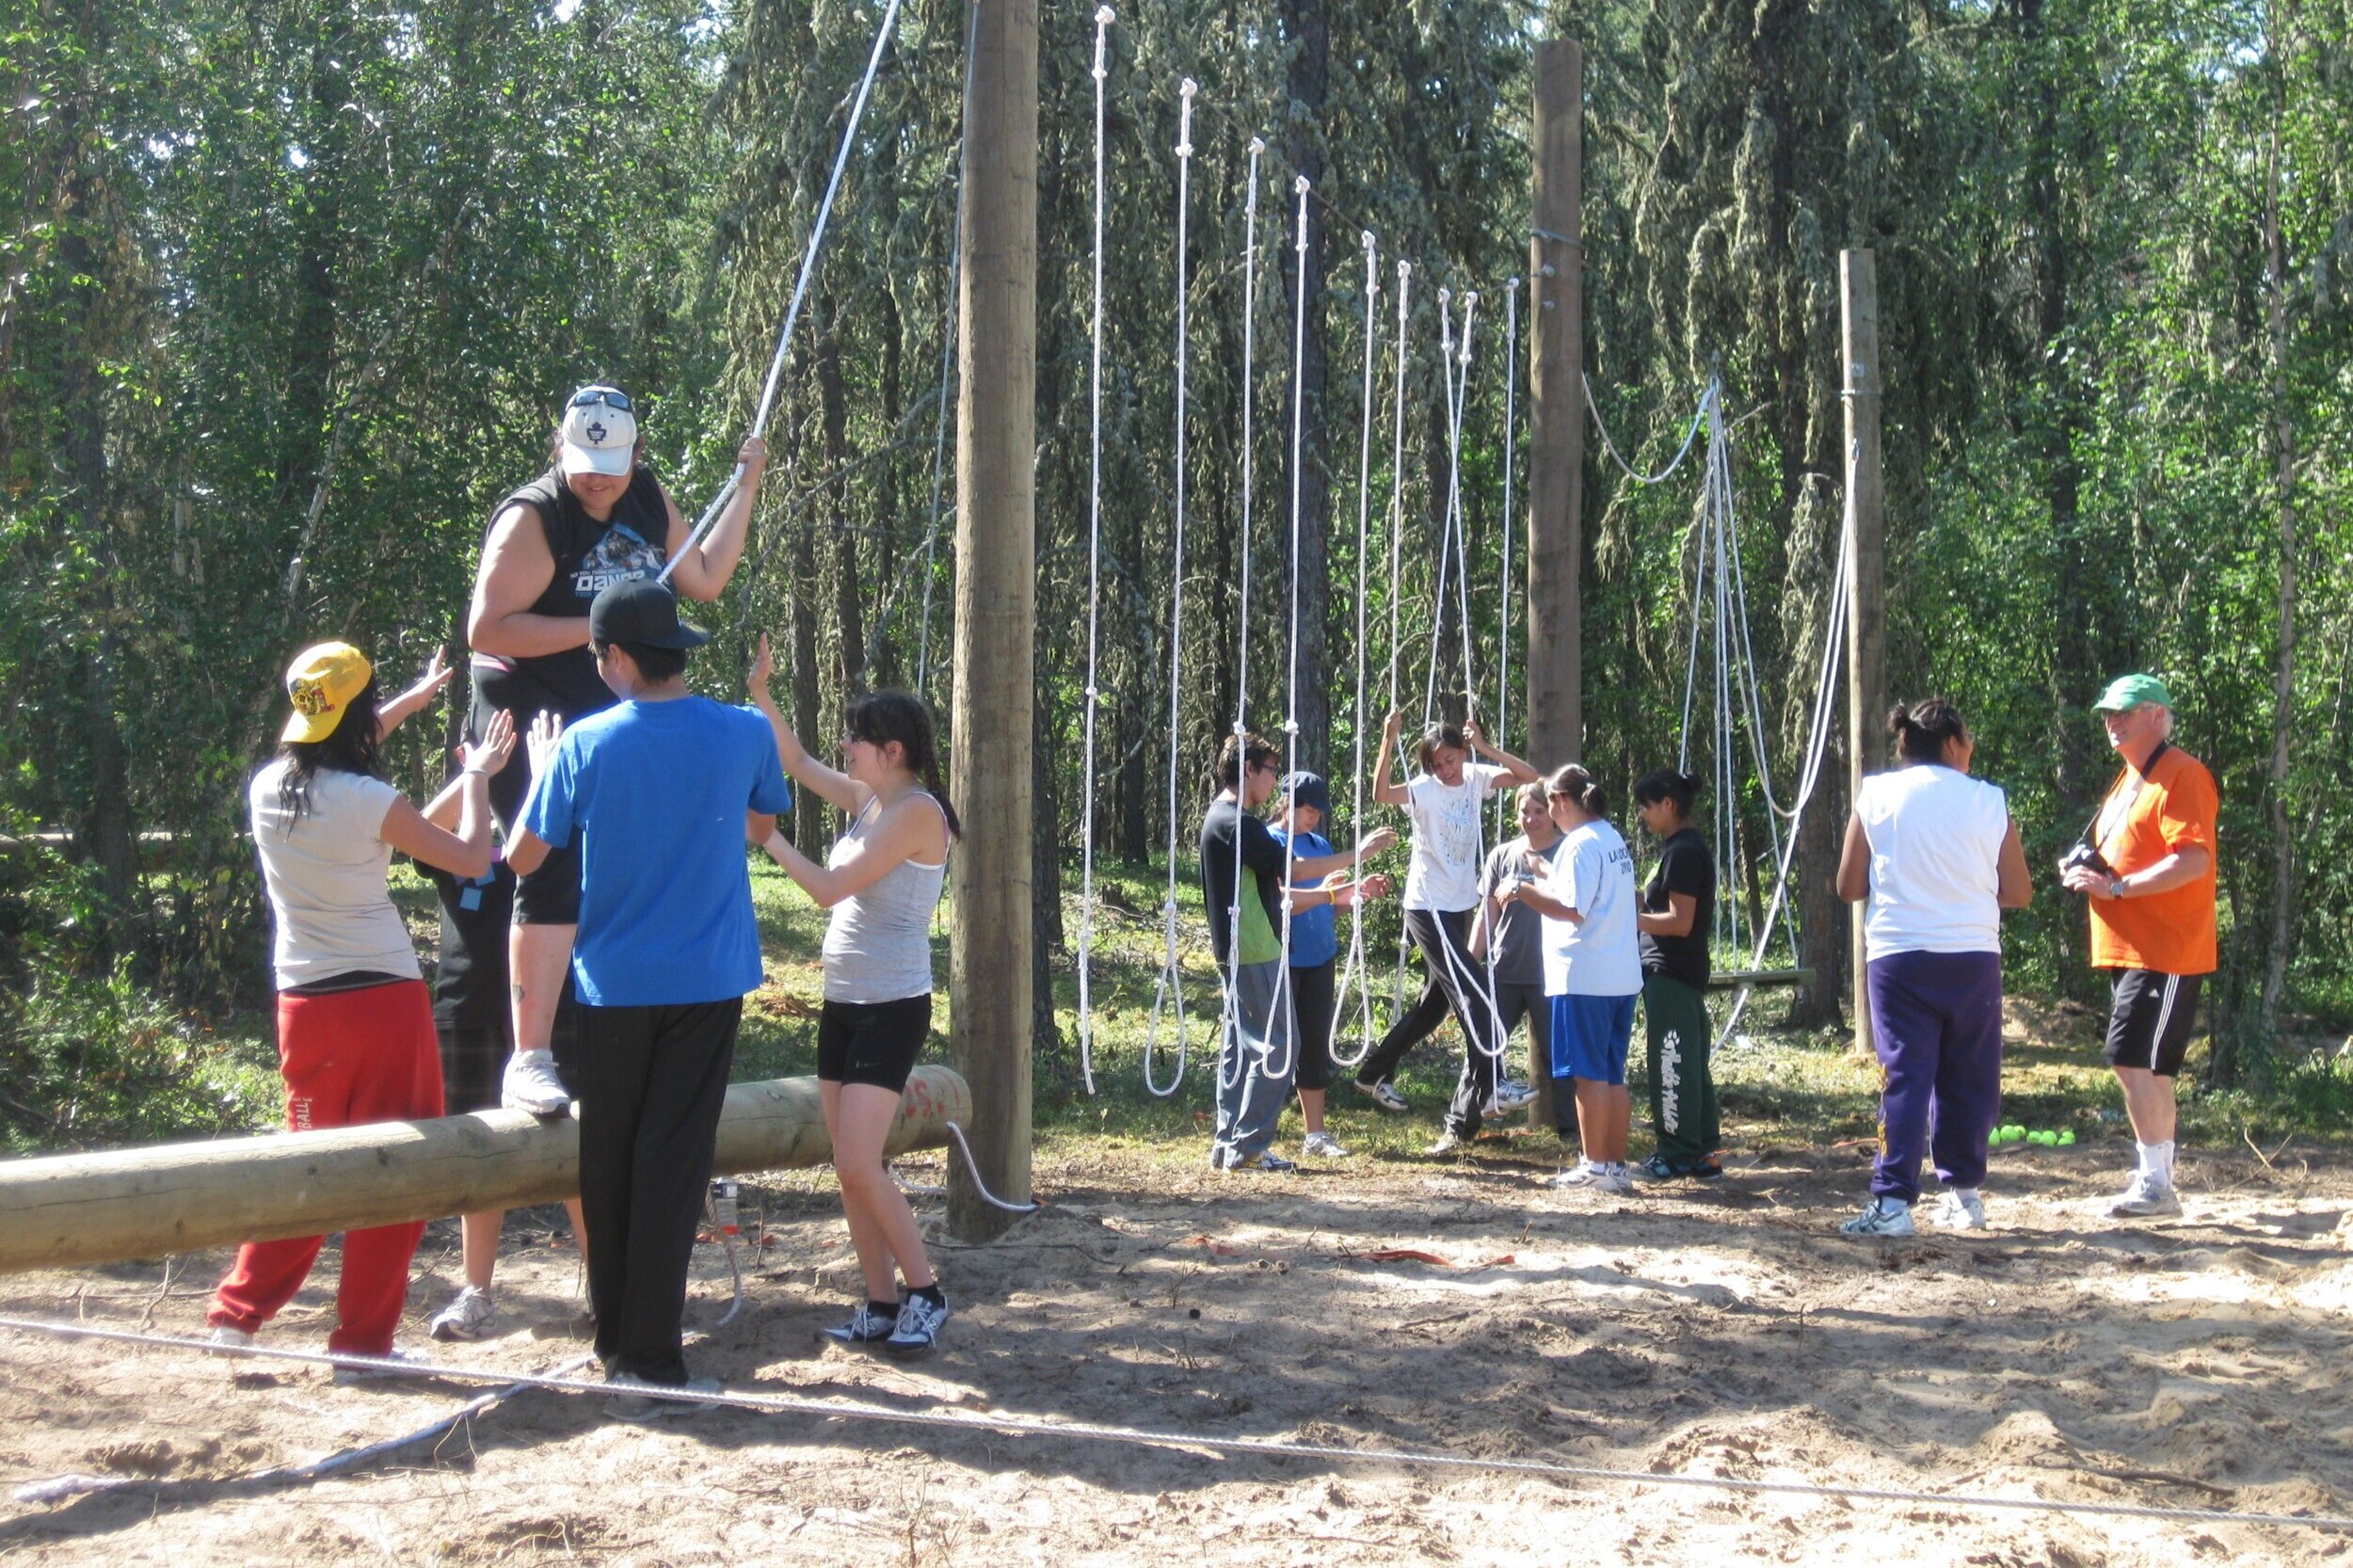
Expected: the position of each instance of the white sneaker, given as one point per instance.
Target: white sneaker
(226, 1337)
(1447, 1142)
(1582, 1175)
(468, 1316)
(1510, 1095)
(2146, 1198)
(530, 1084)
(411, 1365)
(1615, 1177)
(1322, 1146)
(624, 1404)
(1958, 1210)
(1385, 1094)
(1881, 1217)
(918, 1325)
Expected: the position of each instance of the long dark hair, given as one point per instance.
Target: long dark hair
(1667, 784)
(1576, 783)
(879, 718)
(1922, 730)
(352, 747)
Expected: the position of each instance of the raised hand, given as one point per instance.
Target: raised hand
(753, 454)
(764, 670)
(1375, 841)
(496, 748)
(546, 731)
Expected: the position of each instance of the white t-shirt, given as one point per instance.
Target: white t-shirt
(1448, 834)
(1592, 873)
(325, 872)
(1936, 843)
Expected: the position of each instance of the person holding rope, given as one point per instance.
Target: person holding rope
(881, 882)
(1586, 894)
(597, 517)
(1257, 1049)
(657, 791)
(1316, 948)
(2146, 865)
(1514, 935)
(1672, 921)
(1443, 803)
(354, 1024)
(1937, 855)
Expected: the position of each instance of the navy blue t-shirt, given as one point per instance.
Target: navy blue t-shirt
(1315, 932)
(657, 791)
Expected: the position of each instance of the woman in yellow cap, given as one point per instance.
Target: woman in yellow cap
(355, 1023)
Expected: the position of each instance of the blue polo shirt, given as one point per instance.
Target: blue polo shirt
(1315, 932)
(657, 791)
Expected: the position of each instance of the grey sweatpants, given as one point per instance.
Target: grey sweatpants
(1257, 1060)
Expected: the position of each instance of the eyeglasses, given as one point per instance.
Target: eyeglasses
(612, 397)
(1267, 767)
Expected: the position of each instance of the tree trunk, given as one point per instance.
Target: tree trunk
(2284, 876)
(318, 233)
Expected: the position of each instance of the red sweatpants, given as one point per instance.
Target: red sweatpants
(348, 1058)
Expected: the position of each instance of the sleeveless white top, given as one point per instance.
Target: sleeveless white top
(1936, 845)
(879, 943)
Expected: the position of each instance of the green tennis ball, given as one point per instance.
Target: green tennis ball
(2048, 1140)
(2067, 1138)
(2014, 1134)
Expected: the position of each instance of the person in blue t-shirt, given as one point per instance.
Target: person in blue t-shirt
(667, 948)
(1316, 948)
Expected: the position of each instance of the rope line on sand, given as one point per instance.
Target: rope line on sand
(1273, 1447)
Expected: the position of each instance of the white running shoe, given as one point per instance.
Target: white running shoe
(1582, 1175)
(1615, 1177)
(1510, 1095)
(409, 1365)
(1385, 1094)
(918, 1325)
(1960, 1209)
(1447, 1142)
(530, 1084)
(2147, 1197)
(468, 1316)
(1881, 1217)
(226, 1337)
(1322, 1146)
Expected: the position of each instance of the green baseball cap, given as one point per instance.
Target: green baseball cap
(2128, 691)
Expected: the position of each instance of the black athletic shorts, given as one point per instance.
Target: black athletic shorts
(872, 1042)
(473, 1060)
(2149, 1022)
(550, 895)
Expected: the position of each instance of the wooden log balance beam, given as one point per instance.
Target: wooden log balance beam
(1742, 979)
(67, 1211)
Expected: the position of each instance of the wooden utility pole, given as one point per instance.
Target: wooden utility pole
(1866, 609)
(996, 609)
(1555, 432)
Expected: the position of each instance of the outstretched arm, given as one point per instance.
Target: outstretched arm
(836, 787)
(1516, 769)
(899, 835)
(702, 572)
(390, 715)
(1387, 790)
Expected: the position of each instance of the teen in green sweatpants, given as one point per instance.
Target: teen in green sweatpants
(1674, 921)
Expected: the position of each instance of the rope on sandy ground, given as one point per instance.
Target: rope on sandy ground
(1273, 1447)
(59, 1489)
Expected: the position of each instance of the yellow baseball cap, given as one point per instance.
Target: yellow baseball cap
(321, 683)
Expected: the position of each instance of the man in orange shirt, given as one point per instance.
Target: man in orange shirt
(2152, 918)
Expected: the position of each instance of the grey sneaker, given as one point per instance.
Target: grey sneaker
(1881, 1217)
(865, 1326)
(1615, 1177)
(226, 1337)
(1960, 1209)
(468, 1316)
(624, 1404)
(1582, 1174)
(409, 1365)
(1322, 1146)
(1510, 1095)
(918, 1328)
(530, 1084)
(2146, 1198)
(1447, 1142)
(1383, 1095)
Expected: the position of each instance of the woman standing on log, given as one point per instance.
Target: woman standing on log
(882, 884)
(355, 1022)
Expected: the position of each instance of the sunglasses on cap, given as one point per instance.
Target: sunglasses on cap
(612, 397)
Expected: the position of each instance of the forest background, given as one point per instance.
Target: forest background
(291, 291)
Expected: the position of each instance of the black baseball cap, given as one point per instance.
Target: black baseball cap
(1308, 789)
(643, 610)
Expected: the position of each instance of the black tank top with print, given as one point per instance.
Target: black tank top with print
(588, 556)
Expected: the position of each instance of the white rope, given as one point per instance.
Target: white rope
(800, 287)
(1631, 472)
(1273, 1447)
(1354, 973)
(1231, 1019)
(1170, 991)
(1505, 803)
(1286, 999)
(1103, 19)
(1397, 557)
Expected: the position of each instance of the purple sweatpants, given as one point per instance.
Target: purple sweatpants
(1937, 1018)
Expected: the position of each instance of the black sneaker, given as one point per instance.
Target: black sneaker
(918, 1328)
(1657, 1168)
(865, 1326)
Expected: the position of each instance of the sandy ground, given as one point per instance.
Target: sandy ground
(1724, 1330)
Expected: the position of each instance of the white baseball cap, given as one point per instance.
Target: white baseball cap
(599, 432)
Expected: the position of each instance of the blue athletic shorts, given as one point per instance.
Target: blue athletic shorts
(1589, 1036)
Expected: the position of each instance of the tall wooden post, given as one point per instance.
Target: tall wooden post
(1866, 610)
(996, 608)
(1556, 431)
